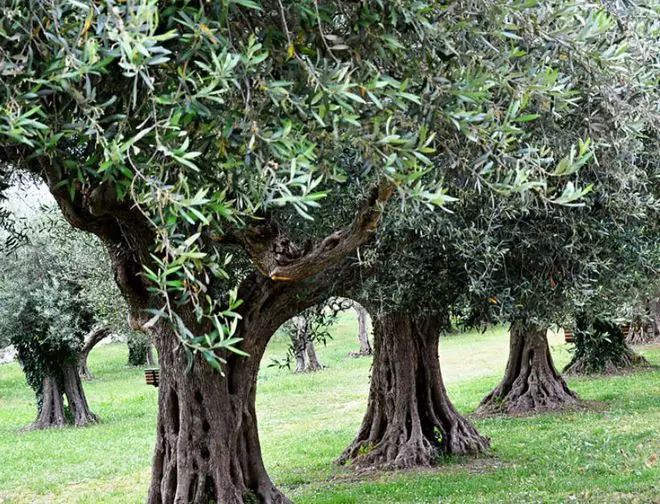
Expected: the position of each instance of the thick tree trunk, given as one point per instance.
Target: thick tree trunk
(363, 333)
(531, 384)
(601, 348)
(51, 413)
(75, 396)
(92, 339)
(410, 419)
(207, 447)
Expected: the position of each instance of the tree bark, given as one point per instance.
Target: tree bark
(207, 447)
(410, 420)
(313, 363)
(93, 338)
(151, 362)
(207, 442)
(531, 384)
(75, 396)
(363, 333)
(303, 347)
(51, 412)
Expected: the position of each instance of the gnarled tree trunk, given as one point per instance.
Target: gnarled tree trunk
(51, 411)
(75, 396)
(207, 447)
(531, 384)
(410, 420)
(93, 338)
(313, 363)
(363, 333)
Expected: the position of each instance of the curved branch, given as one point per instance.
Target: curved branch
(281, 260)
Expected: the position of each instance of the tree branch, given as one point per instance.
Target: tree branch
(277, 257)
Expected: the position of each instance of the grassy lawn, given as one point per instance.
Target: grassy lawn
(305, 422)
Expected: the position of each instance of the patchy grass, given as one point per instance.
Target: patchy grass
(306, 420)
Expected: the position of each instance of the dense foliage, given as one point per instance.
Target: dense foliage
(207, 115)
(499, 257)
(45, 315)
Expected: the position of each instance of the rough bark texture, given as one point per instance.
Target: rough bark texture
(52, 407)
(92, 339)
(207, 446)
(410, 420)
(363, 333)
(52, 413)
(75, 396)
(531, 384)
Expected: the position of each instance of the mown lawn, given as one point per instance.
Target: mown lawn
(305, 421)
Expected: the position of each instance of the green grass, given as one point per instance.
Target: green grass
(306, 421)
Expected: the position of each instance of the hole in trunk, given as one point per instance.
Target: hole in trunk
(204, 452)
(198, 396)
(206, 426)
(209, 486)
(174, 410)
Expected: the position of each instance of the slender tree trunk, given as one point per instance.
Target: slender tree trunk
(313, 363)
(363, 333)
(51, 413)
(151, 362)
(75, 396)
(92, 339)
(299, 343)
(531, 384)
(410, 419)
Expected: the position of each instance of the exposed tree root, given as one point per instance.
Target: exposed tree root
(410, 420)
(531, 384)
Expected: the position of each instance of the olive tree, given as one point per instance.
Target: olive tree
(47, 319)
(178, 135)
(499, 257)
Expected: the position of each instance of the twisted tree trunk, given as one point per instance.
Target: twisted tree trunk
(207, 447)
(65, 381)
(75, 396)
(313, 363)
(93, 338)
(303, 347)
(51, 409)
(410, 420)
(531, 384)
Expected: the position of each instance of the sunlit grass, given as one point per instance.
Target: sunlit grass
(307, 420)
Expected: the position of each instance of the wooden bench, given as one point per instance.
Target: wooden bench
(152, 376)
(568, 335)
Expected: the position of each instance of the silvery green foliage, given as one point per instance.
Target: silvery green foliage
(498, 257)
(43, 312)
(207, 114)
